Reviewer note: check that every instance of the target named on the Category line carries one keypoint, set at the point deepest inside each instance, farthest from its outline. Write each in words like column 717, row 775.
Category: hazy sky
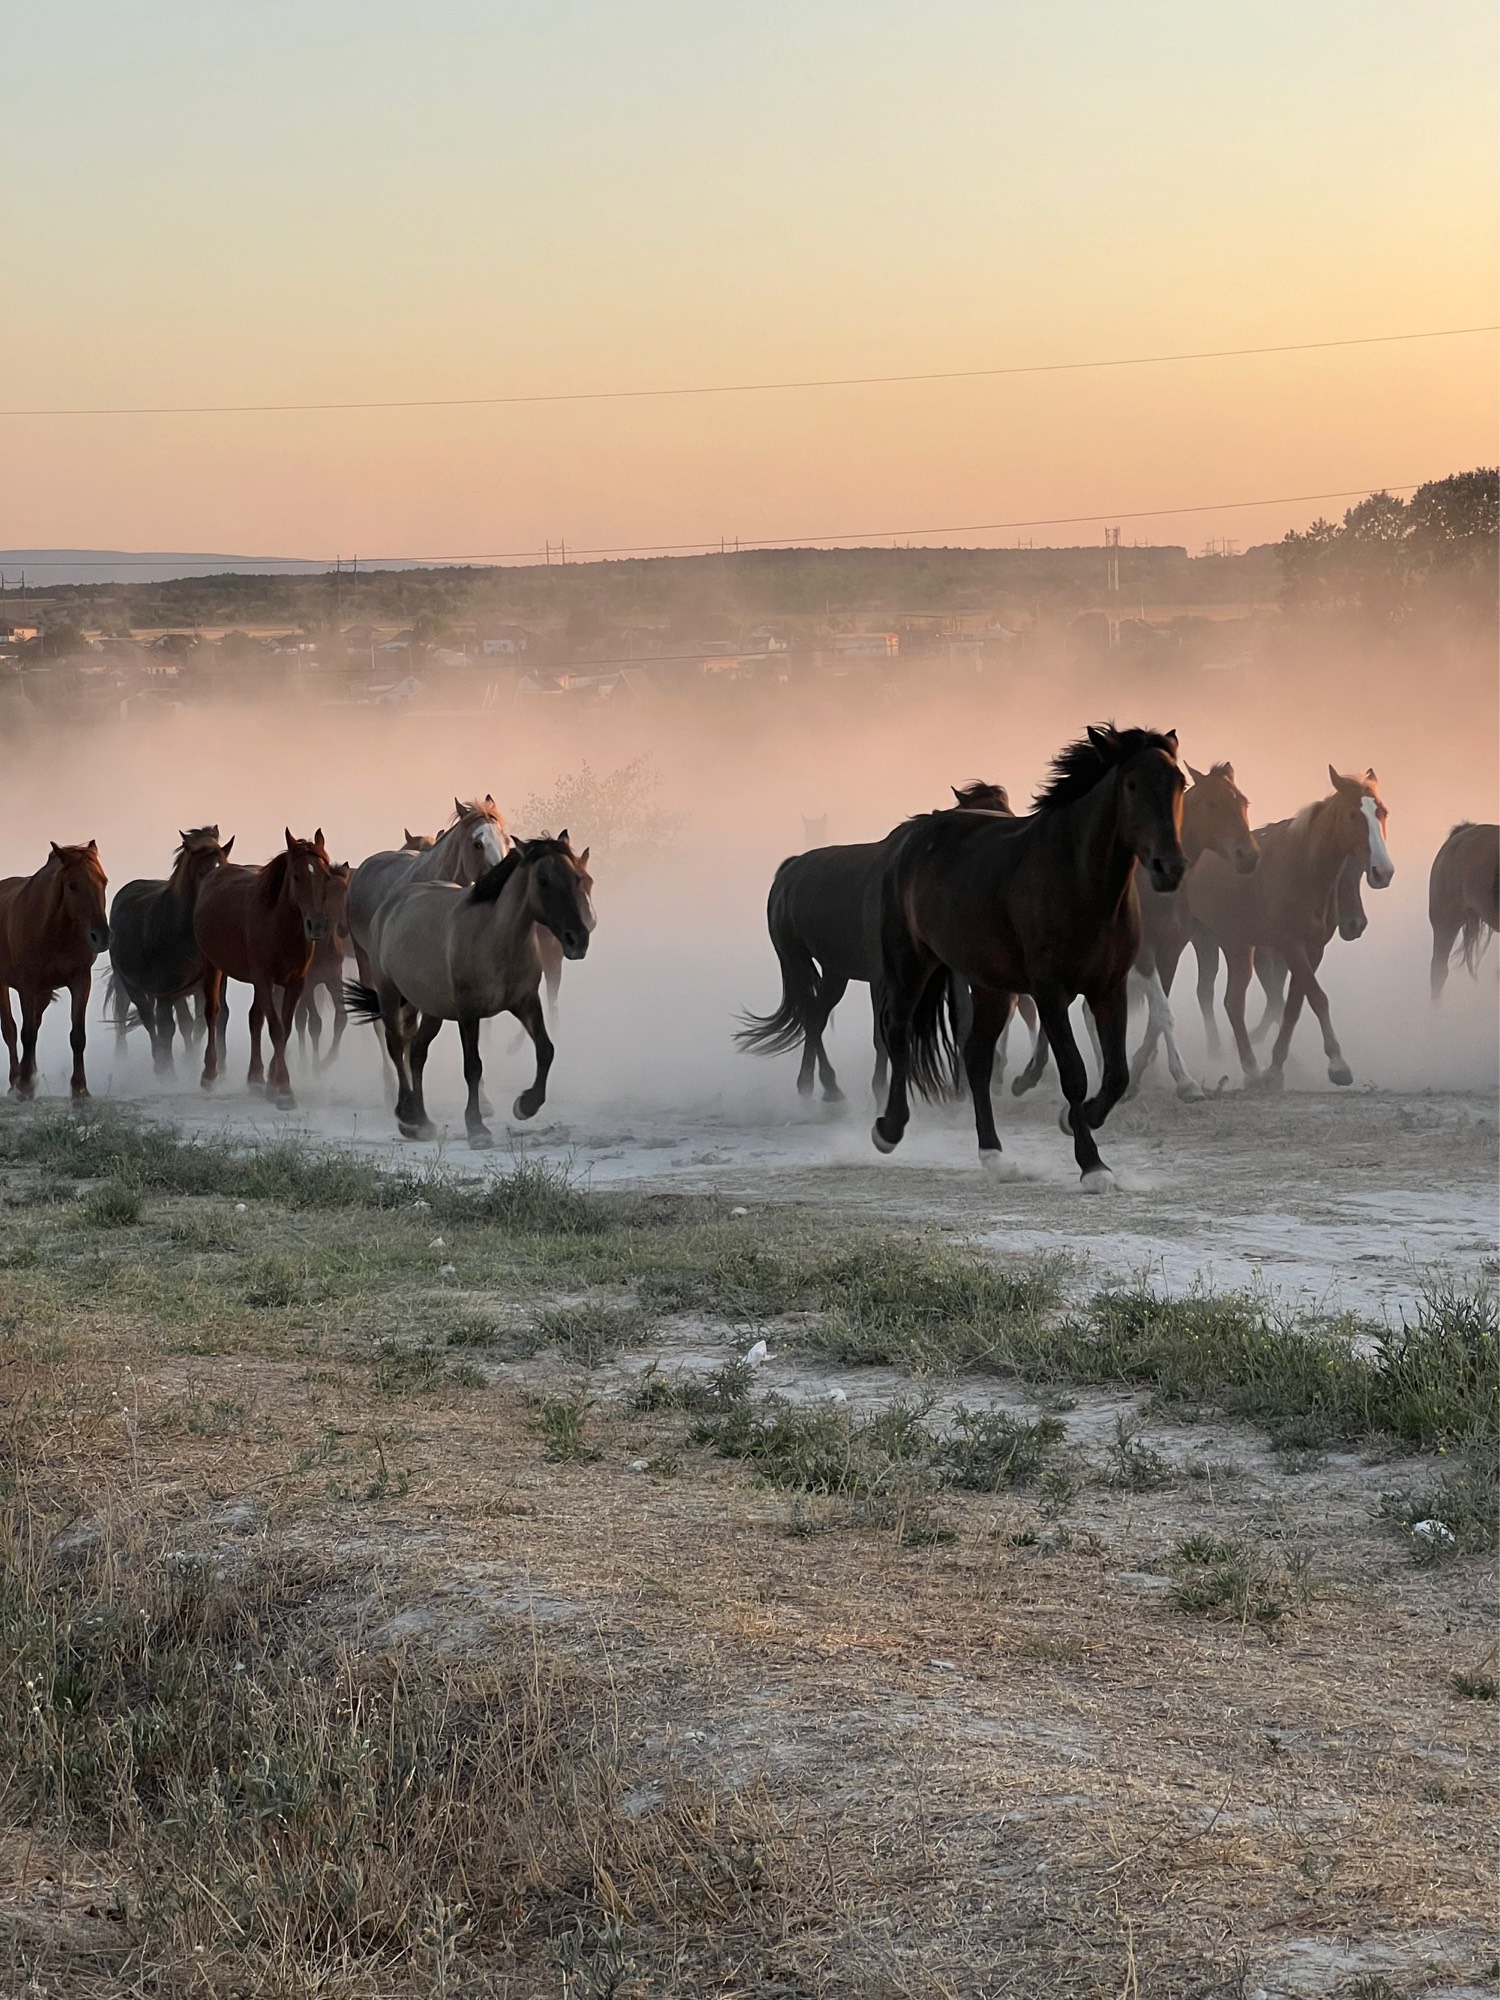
column 296, row 200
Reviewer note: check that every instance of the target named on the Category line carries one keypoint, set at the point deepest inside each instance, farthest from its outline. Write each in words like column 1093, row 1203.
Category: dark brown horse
column 1043, row 905
column 263, row 925
column 157, row 961
column 823, row 914
column 1463, row 898
column 327, row 975
column 1288, row 906
column 52, row 928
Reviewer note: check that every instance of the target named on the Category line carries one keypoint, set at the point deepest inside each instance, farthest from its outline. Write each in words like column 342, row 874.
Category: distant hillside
column 150, row 591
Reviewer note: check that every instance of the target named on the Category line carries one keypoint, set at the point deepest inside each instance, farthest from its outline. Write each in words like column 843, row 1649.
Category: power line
column 742, row 388
column 715, row 546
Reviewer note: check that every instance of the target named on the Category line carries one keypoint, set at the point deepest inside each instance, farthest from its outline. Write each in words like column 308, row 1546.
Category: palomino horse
column 157, row 961
column 1463, row 898
column 1041, row 905
column 52, row 928
column 823, row 914
column 1287, row 905
column 440, row 953
column 263, row 925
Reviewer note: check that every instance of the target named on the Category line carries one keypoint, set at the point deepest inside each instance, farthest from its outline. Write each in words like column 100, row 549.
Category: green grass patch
column 592, row 1332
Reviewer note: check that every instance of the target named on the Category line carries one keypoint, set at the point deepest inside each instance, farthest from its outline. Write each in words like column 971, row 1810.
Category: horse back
column 827, row 899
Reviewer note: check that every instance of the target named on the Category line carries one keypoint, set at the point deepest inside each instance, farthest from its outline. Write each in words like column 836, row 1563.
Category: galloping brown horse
column 1042, row 905
column 1463, row 898
column 1287, row 905
column 263, row 925
column 52, row 928
column 155, row 955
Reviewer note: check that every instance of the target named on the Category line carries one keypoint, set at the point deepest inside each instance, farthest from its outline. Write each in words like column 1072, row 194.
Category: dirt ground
column 1007, row 1764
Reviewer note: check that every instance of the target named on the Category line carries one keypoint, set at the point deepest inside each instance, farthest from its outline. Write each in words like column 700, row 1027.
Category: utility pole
column 1112, row 584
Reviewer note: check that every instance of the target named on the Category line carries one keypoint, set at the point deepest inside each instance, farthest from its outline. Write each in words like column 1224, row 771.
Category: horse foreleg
column 1271, row 973
column 989, row 1016
column 1304, row 986
column 33, row 1006
column 530, row 1102
column 1072, row 1072
column 79, row 990
column 1206, row 951
column 900, row 989
column 397, row 1025
column 1036, row 1062
column 1109, row 1017
column 340, row 1017
column 213, row 1001
column 8, row 1029
column 279, row 1019
column 882, row 1054
column 256, row 1075
column 1239, row 960
column 831, row 989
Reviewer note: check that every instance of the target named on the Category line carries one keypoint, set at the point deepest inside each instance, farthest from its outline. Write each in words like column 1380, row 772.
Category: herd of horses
column 963, row 915
column 956, row 920
column 460, row 926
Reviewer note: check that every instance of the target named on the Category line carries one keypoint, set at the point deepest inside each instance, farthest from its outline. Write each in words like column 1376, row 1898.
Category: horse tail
column 787, row 1027
column 931, row 1045
column 1473, row 941
column 362, row 1001
column 118, row 1010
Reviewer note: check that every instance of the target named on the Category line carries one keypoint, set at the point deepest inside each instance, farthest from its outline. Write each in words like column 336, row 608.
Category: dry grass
column 519, row 1720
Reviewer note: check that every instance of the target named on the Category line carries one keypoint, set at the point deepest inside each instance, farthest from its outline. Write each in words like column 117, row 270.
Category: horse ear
column 1171, row 741
column 93, row 847
column 956, row 793
column 1229, row 772
column 289, row 840
column 407, row 835
column 342, row 871
column 1196, row 776
column 458, row 806
column 318, row 837
column 1333, row 777
column 1370, row 778
column 562, row 838
column 583, row 859
column 182, row 836
column 1100, row 738
column 489, row 798
column 227, row 845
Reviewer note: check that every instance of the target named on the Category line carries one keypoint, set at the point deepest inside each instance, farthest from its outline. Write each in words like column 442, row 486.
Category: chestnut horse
column 263, row 925
column 1042, row 905
column 327, row 975
column 441, row 953
column 52, row 928
column 156, row 958
column 1463, row 898
column 1286, row 906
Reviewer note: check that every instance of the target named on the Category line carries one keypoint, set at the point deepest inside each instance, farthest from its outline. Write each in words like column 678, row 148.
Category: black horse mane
column 1082, row 765
column 489, row 886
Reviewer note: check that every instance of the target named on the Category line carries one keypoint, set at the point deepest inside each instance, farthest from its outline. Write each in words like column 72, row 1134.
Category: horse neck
column 1102, row 862
column 1316, row 858
column 1194, row 834
column 443, row 861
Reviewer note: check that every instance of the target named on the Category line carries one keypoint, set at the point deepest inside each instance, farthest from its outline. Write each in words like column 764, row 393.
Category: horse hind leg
column 8, row 1030
column 1444, row 938
column 989, row 1017
column 421, row 1042
column 830, row 992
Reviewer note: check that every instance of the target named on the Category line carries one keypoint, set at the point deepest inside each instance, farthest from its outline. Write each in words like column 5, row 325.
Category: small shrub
column 407, row 1369
column 274, row 1283
column 992, row 1449
column 467, row 1375
column 560, row 1421
column 1474, row 1686
column 592, row 1332
column 1218, row 1577
column 1458, row 1514
column 1136, row 1466
column 116, row 1205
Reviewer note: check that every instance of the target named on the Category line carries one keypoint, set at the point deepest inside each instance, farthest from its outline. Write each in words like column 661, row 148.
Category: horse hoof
column 882, row 1144
column 1340, row 1072
column 833, row 1095
column 998, row 1166
column 480, row 1142
column 524, row 1109
column 1022, row 1084
column 1190, row 1092
column 1099, row 1180
column 284, row 1101
column 207, row 1082
column 1268, row 1082
column 804, row 1086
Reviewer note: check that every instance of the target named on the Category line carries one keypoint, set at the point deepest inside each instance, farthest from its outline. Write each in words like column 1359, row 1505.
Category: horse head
column 1220, row 816
column 1150, row 791
column 1349, row 905
column 478, row 831
column 417, row 843
column 81, row 891
column 1359, row 818
column 200, row 852
column 311, row 886
column 560, row 891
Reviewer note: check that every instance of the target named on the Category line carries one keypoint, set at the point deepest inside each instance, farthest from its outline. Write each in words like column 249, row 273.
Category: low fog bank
column 681, row 946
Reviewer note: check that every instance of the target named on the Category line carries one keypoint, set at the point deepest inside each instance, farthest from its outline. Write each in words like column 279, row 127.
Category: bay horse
column 1042, row 905
column 1463, row 899
column 326, row 974
column 1345, row 918
column 263, row 926
column 1288, row 905
column 439, row 953
column 157, row 960
column 823, row 914
column 52, row 928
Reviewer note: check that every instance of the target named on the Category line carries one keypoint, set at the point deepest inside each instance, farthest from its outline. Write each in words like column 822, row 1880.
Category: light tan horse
column 441, row 953
column 52, row 928
column 465, row 850
column 1463, row 898
column 1285, row 906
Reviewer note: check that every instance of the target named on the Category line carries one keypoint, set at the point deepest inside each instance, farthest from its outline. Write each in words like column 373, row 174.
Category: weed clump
column 592, row 1332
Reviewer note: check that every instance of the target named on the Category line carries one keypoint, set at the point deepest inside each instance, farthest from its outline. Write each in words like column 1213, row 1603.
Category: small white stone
column 944, row 1666
column 436, row 1243
column 756, row 1354
column 836, row 1395
column 739, row 1211
column 637, row 1465
column 239, row 1208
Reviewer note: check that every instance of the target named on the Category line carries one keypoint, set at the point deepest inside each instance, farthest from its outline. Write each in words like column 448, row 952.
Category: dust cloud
column 647, row 1018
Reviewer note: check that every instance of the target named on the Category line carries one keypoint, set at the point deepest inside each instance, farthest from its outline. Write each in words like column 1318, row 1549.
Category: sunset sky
column 335, row 200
